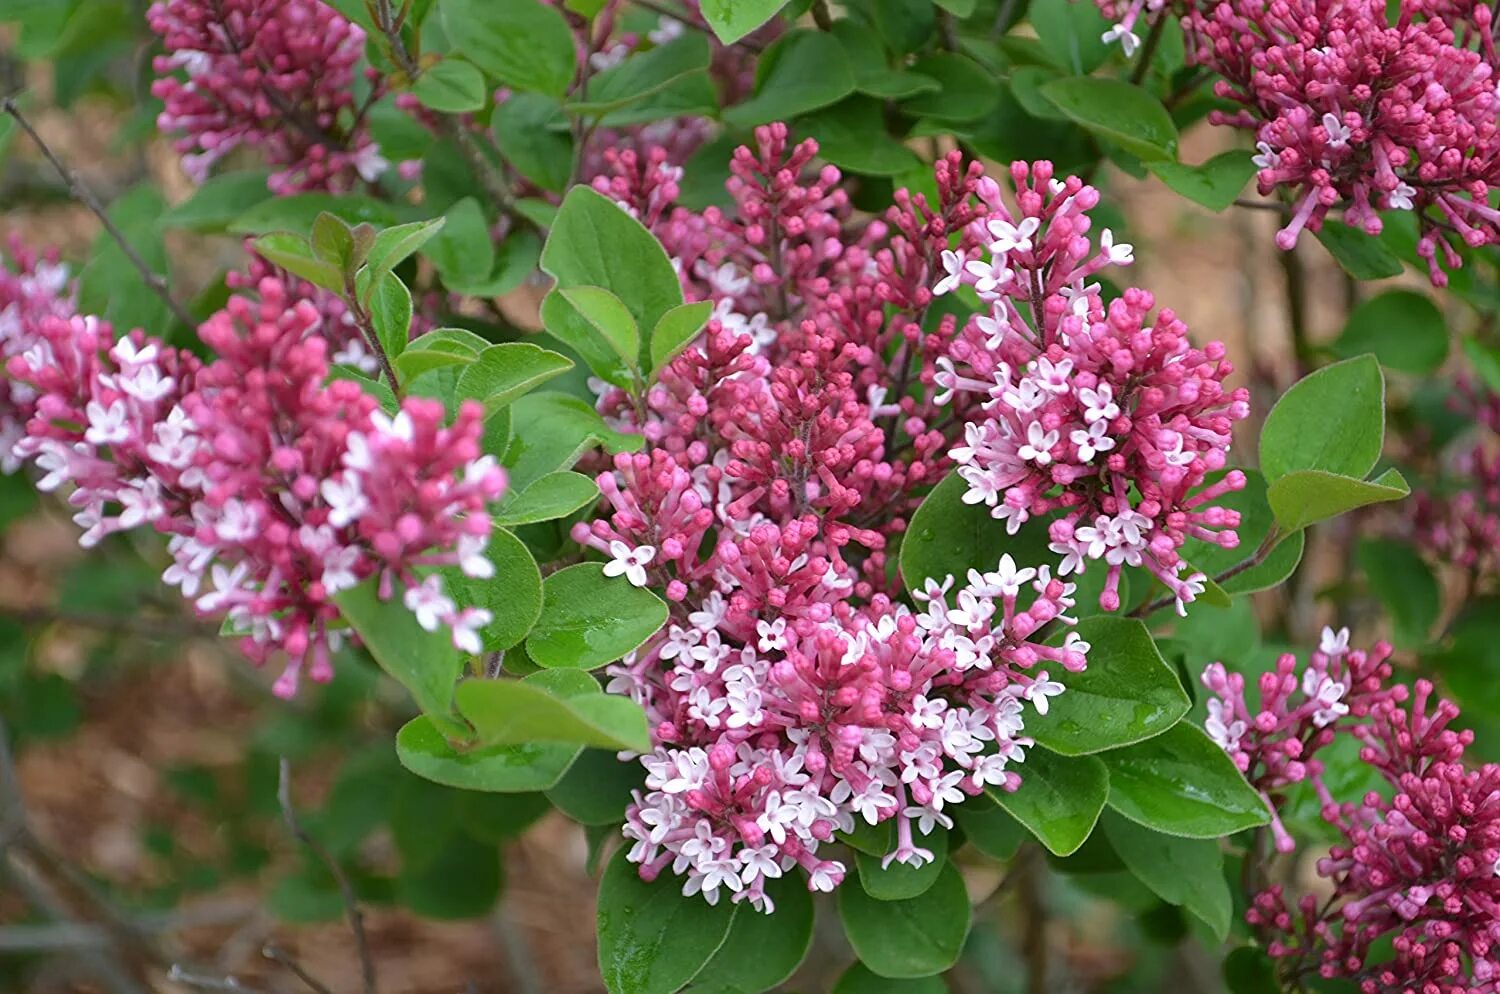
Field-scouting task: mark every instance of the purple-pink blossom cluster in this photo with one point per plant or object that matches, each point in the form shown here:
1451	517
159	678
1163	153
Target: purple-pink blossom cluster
1106	414
1458	524
791	695
1411	894
33	287
1364	111
278	490
272	74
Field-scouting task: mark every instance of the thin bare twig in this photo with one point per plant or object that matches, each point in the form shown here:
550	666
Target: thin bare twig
346	890
276	954
85	196
203	982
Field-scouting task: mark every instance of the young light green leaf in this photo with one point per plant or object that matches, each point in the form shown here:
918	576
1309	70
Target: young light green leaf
390	312
507	769
919	937
522	43
1309	496
1403	328
520	712
504	372
589	619
802	71
1331	420
462	250
424	662
652	939
453	86
393	245
1181	783
734	19
555	495
293	253
1185	872
676	330
612	320
333	241
1127	694
1120	112
1059	799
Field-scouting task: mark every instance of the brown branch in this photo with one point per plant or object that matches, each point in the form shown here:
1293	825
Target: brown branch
1148	51
85	196
1259	556
276	954
346	890
203	982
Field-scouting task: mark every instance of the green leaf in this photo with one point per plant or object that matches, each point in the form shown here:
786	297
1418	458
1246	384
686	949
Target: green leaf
898	881
461	881
734	19
594	243
1181	783
1307	497
1128	693
967	91
506	769
333	241
1248	970
1185	872
520	712
670	80
1486	362
551	430
394	245
802	71
1405	585
293	253
1403	328
676	331
218	201
989	828
390	312
906	25
859	980
763	950
1070	34
589	619
1120	112
873	74
531	129
296	213
513	595
1331	420
1360	255
596	789
453	86
614	323
502	373
852	135
652	939
522	43
1059	799
947	537
423	662
555	495
1256	521
919	937
1215	184
380	391
462	250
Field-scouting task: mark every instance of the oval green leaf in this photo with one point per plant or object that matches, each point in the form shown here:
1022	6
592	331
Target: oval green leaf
589	619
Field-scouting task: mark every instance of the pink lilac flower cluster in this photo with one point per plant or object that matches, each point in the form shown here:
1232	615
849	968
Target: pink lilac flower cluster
791	695
1106	414
1460	524
1354	110
1275	744
273	74
1411	899
33	287
278	490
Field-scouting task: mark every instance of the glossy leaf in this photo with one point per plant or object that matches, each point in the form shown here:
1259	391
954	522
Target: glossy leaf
652	939
1059	799
390	312
296	213
1307	497
1070	34
513	595
521	712
531	128
522	43
919	937
555	495
502	373
1360	255
859	980
294	254
551	430
763	950
1256	521
394	245
1184	872
733	19
1215	184
852	135
1181	783
1331	420
1402	328
1248	970
1119	112
596	789
989	828
463	250
218	201
423	662
1128	692
589	619
614	323
949	537
676	331
669	80
507	769
900	881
